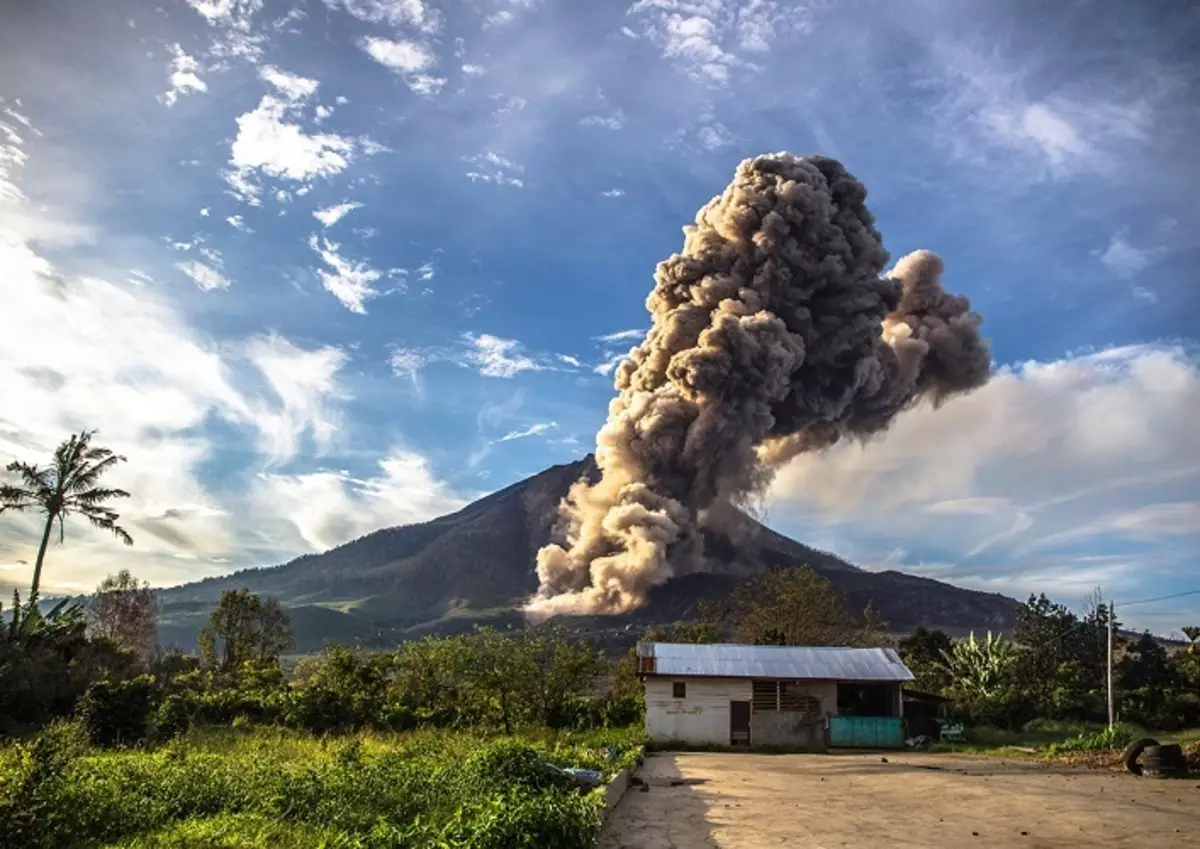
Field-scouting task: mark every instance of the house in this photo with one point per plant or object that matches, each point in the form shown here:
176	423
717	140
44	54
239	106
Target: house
796	696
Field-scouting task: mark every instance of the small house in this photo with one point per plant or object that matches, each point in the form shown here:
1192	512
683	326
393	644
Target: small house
795	696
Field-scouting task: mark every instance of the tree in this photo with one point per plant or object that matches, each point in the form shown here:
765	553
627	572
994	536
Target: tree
244	629
125	612
68	485
922	652
1192	632
979	669
797	607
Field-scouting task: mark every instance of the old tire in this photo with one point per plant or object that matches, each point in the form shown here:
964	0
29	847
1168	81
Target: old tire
1163	762
1134	751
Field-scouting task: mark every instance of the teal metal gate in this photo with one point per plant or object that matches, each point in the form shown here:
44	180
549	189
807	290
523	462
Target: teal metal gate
866	732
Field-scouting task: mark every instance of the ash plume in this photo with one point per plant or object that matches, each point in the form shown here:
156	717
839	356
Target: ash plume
773	334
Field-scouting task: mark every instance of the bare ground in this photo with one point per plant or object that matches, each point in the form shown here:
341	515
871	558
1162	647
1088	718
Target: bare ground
746	801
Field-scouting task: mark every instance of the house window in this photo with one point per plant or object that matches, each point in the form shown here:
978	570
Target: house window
679	689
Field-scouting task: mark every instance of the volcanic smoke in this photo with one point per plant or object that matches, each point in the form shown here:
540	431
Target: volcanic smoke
773	334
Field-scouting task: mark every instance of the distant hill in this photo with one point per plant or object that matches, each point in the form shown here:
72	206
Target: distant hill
477	565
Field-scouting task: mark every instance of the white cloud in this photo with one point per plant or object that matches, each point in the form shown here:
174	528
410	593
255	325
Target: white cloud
498	19
1144	294
304	383
988	116
405	56
497	357
424	271
490	167
183	76
408	362
227	12
615	121
1011	479
321	112
238	223
706	37
532	430
569	360
417	14
202	275
327	508
610	363
291	86
349	281
470	70
613	193
1126	260
331	215
408	58
269	143
714	136
634	334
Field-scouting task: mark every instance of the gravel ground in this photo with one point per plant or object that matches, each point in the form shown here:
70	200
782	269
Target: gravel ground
746	801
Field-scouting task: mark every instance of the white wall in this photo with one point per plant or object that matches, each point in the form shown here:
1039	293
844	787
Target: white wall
701	717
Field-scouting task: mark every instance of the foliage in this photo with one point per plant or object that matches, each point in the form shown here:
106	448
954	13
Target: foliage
922	653
118	712
47	662
67	486
244	629
798	607
1116	737
414	790
124	612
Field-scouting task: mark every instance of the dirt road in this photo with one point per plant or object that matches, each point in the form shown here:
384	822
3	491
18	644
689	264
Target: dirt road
744	801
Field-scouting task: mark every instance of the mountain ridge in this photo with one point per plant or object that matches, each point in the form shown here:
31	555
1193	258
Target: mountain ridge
477	565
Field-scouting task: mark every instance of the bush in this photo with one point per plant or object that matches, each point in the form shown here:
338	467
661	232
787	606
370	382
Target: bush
171	718
1116	737
116	712
31	786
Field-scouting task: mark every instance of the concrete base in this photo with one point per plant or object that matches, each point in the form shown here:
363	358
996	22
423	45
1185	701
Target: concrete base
615	789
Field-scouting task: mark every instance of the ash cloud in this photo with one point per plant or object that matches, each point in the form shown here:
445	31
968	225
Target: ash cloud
773	334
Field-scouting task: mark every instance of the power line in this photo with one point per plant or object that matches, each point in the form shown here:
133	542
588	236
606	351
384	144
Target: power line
1158	598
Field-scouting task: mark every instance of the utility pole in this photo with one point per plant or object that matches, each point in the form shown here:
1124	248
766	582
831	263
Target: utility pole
1111	709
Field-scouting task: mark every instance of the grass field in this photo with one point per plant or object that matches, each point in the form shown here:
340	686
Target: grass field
272	787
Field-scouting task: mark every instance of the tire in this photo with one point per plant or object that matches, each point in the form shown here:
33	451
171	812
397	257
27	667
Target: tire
1163	762
1166	752
1134	751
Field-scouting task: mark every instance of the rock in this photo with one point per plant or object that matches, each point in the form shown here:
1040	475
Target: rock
883	760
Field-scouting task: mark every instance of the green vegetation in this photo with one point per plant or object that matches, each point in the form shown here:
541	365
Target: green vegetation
284	788
1049	678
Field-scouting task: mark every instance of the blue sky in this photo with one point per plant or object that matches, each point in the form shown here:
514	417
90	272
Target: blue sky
322	266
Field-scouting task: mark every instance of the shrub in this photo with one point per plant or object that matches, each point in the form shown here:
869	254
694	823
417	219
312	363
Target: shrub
1116	737
115	712
171	718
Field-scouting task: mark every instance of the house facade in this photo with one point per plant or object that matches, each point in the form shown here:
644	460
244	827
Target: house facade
794	696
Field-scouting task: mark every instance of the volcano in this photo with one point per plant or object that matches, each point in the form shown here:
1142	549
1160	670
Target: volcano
476	566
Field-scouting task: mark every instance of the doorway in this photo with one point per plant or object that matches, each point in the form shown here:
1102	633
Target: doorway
739	723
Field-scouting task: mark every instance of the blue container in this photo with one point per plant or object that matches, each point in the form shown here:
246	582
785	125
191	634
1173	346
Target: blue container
866	732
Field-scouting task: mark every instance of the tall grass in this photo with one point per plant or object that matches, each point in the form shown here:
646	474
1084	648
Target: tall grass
275	787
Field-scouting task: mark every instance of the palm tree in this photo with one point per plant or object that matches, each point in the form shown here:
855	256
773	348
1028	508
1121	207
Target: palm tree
66	486
978	667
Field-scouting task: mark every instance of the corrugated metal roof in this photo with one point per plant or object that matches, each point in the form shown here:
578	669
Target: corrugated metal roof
790	662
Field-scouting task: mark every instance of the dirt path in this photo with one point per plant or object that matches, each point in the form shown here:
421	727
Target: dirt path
743	801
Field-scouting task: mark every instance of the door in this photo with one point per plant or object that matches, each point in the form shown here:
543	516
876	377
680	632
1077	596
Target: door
739	723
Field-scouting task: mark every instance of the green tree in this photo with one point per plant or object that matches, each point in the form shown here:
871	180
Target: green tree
1145	678
979	669
126	612
798	607
67	486
244	630
922	652
1192	632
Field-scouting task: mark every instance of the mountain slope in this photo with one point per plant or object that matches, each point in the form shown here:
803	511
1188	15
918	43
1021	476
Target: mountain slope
477	564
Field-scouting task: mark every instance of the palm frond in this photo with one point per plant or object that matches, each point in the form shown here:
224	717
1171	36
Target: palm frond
95	496
107	521
84	477
16	498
